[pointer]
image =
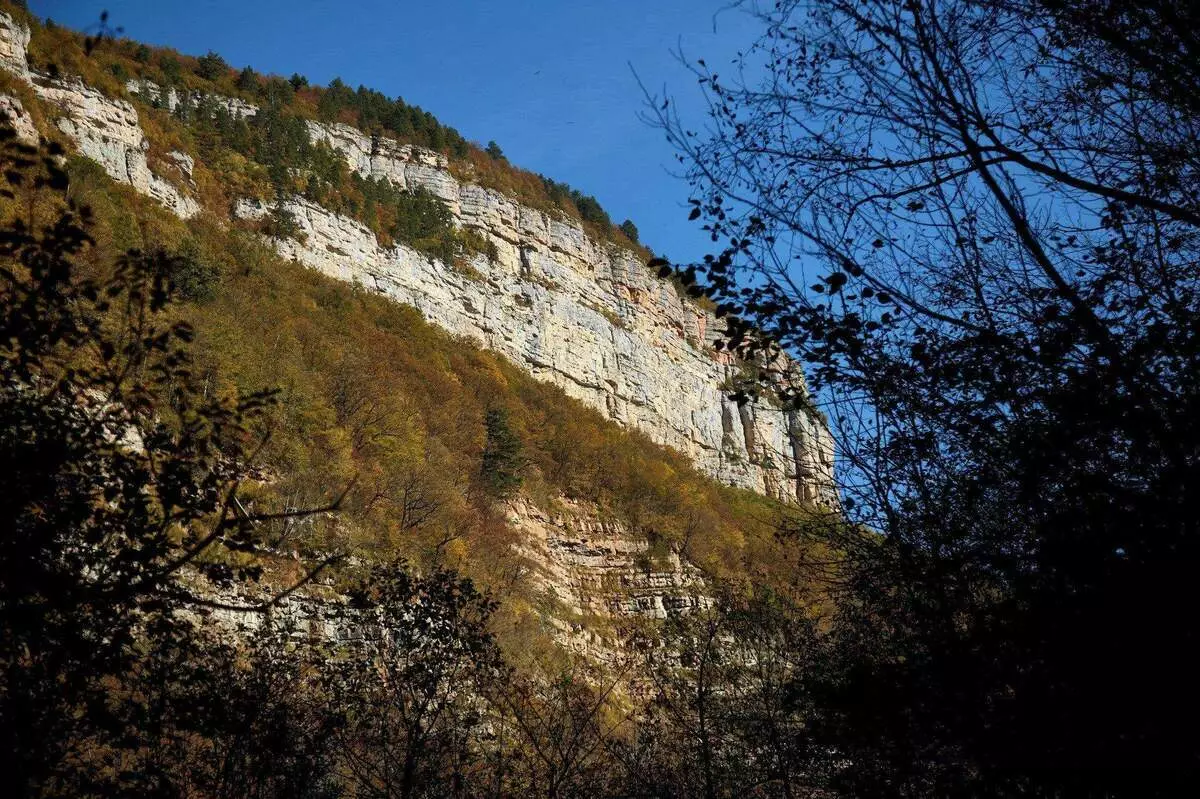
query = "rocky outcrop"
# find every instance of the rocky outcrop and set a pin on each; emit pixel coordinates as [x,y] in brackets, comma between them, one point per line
[598,568]
[596,579]
[585,314]
[599,580]
[14,113]
[582,313]
[153,94]
[406,166]
[14,46]
[589,318]
[105,130]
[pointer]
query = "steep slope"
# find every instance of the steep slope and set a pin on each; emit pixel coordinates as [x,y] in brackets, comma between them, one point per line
[608,528]
[582,313]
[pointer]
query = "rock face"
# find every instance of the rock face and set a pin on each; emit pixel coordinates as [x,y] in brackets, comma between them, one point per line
[600,576]
[598,580]
[152,93]
[589,318]
[406,166]
[13,112]
[14,46]
[584,314]
[105,130]
[599,568]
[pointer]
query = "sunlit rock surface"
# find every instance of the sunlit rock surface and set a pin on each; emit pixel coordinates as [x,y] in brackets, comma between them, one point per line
[586,315]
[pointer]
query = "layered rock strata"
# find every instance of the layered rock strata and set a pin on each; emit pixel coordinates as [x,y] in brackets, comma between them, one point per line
[589,318]
[103,129]
[597,578]
[152,93]
[584,314]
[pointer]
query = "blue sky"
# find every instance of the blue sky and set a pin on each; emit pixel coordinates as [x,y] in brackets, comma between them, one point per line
[549,80]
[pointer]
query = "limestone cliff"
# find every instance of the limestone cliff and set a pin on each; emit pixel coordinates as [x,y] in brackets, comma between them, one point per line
[584,314]
[600,576]
[597,581]
[103,129]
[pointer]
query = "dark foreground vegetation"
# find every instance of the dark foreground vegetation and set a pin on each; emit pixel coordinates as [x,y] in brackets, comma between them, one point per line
[976,219]
[979,221]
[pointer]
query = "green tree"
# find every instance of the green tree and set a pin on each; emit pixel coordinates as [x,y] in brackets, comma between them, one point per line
[494,151]
[211,66]
[419,215]
[590,209]
[185,109]
[630,230]
[248,80]
[503,464]
[192,274]
[172,70]
[281,224]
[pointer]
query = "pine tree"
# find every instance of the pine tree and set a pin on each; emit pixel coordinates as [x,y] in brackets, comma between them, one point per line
[248,80]
[503,456]
[211,66]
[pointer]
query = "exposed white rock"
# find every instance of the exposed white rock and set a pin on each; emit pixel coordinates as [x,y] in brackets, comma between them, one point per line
[589,318]
[236,107]
[14,45]
[105,130]
[599,568]
[13,112]
[586,315]
[589,570]
[185,162]
[406,166]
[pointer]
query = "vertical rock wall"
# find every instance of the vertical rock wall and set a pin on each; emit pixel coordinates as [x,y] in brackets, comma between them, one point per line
[584,314]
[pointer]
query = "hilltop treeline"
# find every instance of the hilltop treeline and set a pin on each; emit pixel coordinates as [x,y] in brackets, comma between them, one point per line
[111,62]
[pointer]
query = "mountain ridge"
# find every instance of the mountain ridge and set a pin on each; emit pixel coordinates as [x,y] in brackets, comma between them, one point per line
[582,313]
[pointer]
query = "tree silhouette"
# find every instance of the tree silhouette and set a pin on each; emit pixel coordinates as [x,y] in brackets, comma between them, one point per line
[977,223]
[119,474]
[411,696]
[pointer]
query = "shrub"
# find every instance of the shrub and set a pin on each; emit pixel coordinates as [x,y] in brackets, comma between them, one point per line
[193,276]
[172,70]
